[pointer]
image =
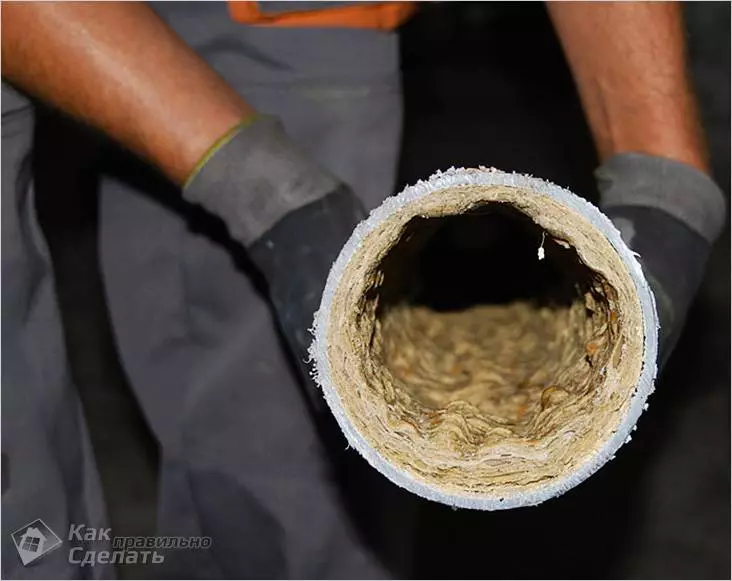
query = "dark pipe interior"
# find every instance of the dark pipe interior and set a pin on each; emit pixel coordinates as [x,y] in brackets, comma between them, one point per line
[469,312]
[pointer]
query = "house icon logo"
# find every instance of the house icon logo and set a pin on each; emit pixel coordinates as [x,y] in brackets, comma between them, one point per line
[34,540]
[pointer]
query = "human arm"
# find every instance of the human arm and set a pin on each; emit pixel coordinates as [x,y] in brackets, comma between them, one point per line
[628,61]
[119,68]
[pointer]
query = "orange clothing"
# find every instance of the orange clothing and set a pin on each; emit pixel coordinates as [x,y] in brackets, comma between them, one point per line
[372,15]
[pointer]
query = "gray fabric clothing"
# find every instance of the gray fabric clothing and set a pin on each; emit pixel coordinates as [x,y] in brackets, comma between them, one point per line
[243,461]
[48,470]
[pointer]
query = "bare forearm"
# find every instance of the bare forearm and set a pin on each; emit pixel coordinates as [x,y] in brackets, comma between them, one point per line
[118,67]
[629,65]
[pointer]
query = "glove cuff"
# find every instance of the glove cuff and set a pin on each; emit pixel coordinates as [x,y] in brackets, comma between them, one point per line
[218,144]
[253,176]
[687,194]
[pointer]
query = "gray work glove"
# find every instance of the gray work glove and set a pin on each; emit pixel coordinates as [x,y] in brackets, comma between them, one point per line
[670,214]
[292,216]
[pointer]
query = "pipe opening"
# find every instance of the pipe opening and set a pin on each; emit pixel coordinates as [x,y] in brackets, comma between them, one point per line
[472,324]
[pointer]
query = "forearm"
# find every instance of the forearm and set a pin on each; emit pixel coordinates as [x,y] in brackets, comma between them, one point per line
[118,67]
[628,60]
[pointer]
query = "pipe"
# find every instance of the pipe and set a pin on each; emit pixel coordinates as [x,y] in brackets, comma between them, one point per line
[486,340]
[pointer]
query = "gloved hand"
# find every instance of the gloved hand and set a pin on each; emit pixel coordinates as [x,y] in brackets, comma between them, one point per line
[670,214]
[291,215]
